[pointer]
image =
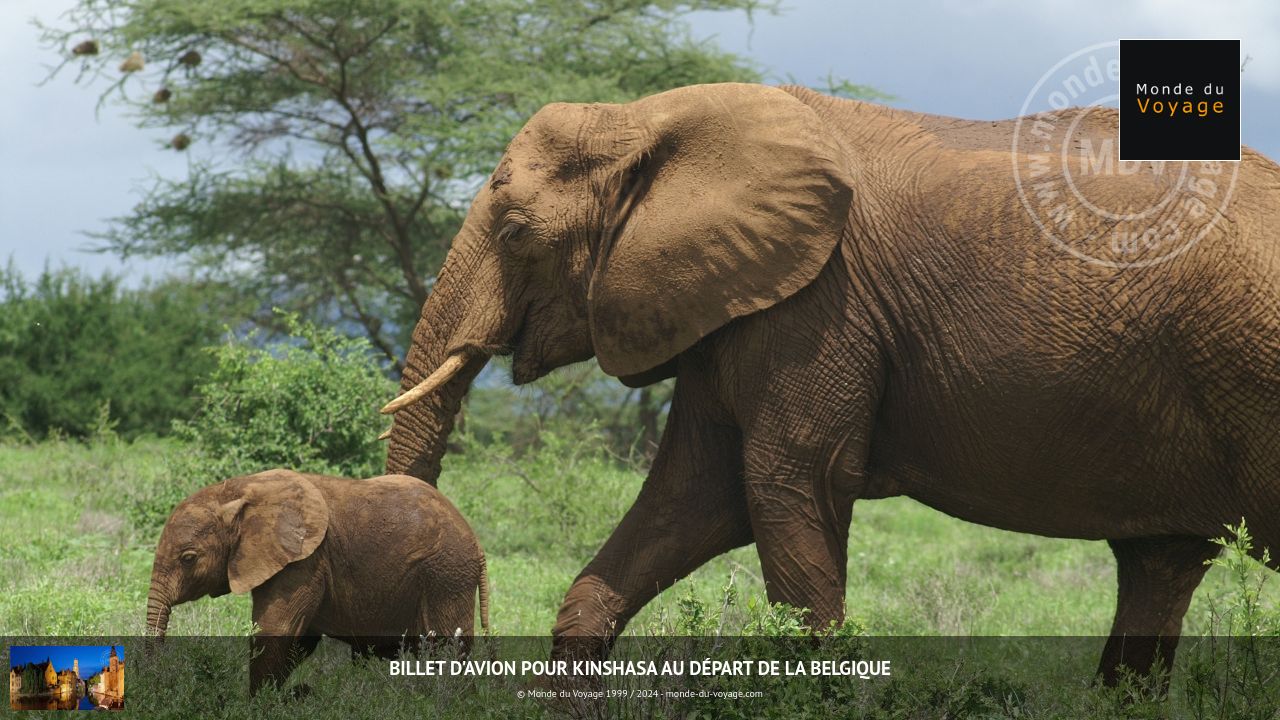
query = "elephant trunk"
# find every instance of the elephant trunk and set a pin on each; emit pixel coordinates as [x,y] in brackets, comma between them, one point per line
[157,613]
[451,344]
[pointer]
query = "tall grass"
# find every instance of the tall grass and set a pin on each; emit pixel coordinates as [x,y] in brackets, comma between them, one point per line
[74,560]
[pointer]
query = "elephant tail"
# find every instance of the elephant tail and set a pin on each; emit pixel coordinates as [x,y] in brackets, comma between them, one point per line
[483,592]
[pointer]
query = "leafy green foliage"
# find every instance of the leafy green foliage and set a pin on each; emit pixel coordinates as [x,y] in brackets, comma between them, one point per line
[361,126]
[308,405]
[358,130]
[1244,610]
[1235,669]
[73,348]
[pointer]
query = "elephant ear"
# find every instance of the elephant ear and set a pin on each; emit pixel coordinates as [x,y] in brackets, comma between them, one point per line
[276,517]
[733,201]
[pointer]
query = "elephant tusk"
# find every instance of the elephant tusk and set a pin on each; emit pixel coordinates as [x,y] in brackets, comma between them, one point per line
[442,375]
[386,433]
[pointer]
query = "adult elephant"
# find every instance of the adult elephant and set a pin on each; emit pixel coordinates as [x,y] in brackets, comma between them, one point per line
[855,304]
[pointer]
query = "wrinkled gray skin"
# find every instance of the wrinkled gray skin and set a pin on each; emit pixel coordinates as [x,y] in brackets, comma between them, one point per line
[366,561]
[855,304]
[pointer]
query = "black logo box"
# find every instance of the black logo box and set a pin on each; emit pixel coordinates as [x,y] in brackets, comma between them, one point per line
[1179,71]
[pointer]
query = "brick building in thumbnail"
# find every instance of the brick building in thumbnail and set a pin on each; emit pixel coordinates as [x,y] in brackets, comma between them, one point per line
[111,682]
[44,678]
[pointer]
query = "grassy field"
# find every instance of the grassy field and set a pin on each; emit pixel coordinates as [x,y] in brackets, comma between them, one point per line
[78,523]
[73,561]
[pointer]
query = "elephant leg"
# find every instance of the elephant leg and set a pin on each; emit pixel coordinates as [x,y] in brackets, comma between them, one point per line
[690,509]
[1156,578]
[804,468]
[448,618]
[283,609]
[801,527]
[450,614]
[275,657]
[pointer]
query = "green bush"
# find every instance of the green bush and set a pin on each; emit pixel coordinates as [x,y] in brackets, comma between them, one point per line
[1233,668]
[309,403]
[71,345]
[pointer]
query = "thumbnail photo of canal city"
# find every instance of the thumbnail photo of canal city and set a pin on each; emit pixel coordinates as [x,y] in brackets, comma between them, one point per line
[66,677]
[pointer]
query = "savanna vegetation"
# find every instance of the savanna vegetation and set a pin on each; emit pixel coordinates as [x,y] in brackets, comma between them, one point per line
[74,348]
[334,144]
[79,520]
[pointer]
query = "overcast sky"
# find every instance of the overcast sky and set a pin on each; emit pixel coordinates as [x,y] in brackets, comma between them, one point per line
[63,172]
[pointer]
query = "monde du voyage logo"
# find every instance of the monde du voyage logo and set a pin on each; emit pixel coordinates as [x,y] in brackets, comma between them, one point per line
[1180,100]
[1177,149]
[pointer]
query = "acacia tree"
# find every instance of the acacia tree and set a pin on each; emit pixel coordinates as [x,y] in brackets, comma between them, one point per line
[336,142]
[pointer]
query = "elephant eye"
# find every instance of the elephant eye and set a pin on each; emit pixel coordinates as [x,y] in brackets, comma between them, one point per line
[188,557]
[509,233]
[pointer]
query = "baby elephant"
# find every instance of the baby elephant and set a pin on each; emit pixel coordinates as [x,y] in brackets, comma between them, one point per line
[364,561]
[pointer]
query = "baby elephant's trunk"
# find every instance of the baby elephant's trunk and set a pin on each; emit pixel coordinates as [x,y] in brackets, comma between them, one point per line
[157,614]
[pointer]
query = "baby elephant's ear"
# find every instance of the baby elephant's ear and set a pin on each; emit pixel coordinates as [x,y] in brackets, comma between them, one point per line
[276,517]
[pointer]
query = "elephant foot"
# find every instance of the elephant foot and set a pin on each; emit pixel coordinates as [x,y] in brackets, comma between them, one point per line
[587,622]
[580,647]
[570,690]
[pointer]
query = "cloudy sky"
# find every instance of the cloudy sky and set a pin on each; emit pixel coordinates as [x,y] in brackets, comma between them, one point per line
[62,172]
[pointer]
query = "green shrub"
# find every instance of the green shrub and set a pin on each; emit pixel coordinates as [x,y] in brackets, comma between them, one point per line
[1232,670]
[309,404]
[71,345]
